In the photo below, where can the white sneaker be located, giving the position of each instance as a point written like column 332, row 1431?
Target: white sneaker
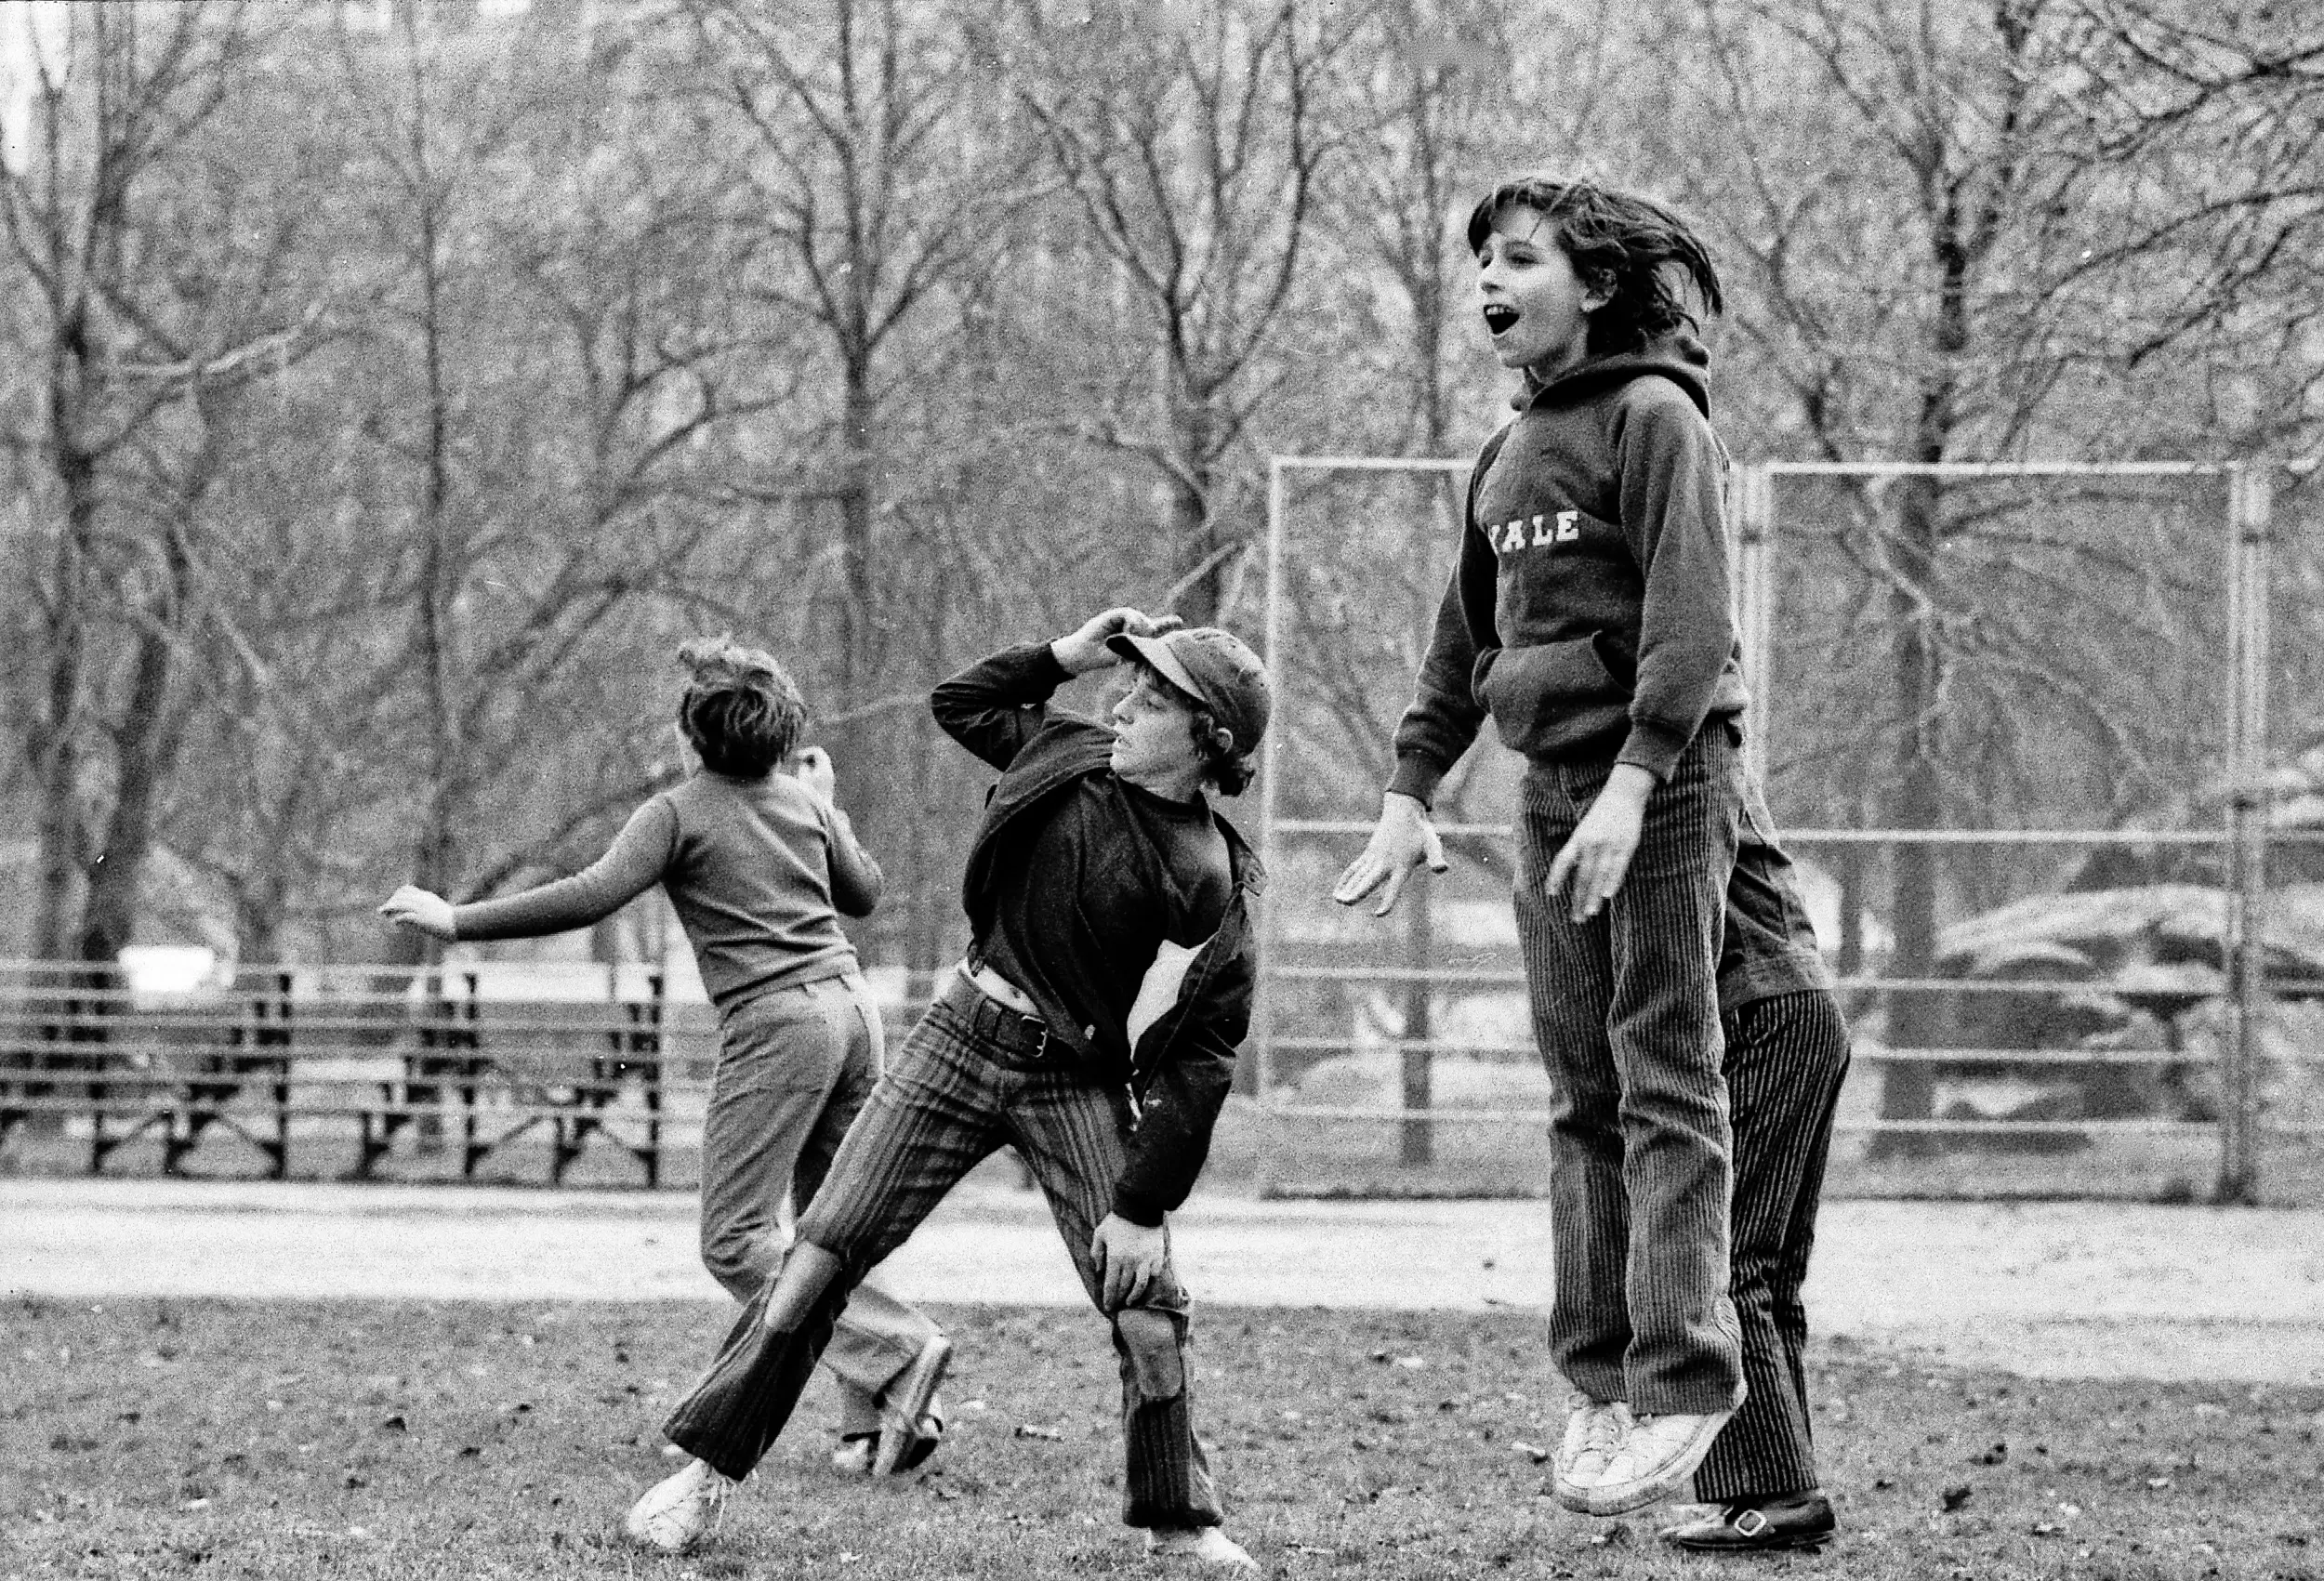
column 1594, row 1431
column 674, row 1513
column 852, row 1457
column 1200, row 1545
column 1657, row 1456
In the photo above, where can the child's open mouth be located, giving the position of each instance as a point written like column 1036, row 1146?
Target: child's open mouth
column 1500, row 318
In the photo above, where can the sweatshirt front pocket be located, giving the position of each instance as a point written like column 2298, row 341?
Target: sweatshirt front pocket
column 1555, row 697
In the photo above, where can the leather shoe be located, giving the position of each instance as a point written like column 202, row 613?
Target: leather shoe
column 1756, row 1525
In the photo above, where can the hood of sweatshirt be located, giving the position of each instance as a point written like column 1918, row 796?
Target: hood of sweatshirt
column 1677, row 357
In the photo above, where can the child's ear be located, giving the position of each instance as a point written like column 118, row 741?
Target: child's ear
column 1597, row 291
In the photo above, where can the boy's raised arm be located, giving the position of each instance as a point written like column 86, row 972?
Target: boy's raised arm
column 998, row 705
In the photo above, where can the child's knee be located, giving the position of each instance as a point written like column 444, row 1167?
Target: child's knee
column 1153, row 1344
column 739, row 1259
column 809, row 1273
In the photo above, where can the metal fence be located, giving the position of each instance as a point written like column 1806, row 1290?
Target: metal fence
column 2083, row 964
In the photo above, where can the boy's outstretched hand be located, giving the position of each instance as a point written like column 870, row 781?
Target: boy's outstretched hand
column 423, row 911
column 1402, row 840
column 1085, row 650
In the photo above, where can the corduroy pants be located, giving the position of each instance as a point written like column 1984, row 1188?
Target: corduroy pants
column 1626, row 1012
column 1787, row 1056
column 948, row 1100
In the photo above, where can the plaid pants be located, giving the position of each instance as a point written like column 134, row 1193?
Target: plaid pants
column 948, row 1100
column 1626, row 1013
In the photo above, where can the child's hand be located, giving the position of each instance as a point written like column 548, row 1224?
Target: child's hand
column 815, row 772
column 1402, row 840
column 423, row 911
column 1085, row 650
column 1596, row 855
column 1132, row 1259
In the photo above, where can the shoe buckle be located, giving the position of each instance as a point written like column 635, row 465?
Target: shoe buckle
column 1751, row 1523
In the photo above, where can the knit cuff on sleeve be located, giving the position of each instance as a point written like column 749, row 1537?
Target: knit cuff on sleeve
column 1417, row 776
column 1653, row 746
column 1139, row 1210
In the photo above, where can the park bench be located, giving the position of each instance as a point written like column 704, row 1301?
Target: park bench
column 387, row 1050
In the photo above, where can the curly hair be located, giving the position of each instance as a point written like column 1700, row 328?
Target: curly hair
column 1223, row 767
column 1619, row 243
column 741, row 710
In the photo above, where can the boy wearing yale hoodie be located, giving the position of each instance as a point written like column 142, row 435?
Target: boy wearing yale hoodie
column 1590, row 616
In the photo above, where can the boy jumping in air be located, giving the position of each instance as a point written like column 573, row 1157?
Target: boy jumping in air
column 1589, row 616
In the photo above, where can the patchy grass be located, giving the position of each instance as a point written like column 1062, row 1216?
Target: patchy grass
column 298, row 1439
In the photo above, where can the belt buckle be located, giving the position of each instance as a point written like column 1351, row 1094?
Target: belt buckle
column 1040, row 1042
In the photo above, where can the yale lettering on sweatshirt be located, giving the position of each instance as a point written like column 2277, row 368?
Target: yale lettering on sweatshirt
column 1543, row 531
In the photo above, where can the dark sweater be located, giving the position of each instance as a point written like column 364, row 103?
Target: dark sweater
column 1084, row 896
column 758, row 869
column 1589, row 610
column 1181, row 1066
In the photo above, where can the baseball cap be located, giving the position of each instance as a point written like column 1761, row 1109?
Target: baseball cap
column 1214, row 667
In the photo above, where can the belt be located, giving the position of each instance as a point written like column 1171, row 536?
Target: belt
column 1005, row 1031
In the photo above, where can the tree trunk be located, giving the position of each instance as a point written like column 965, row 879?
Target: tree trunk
column 143, row 747
column 1915, row 1017
column 855, row 743
column 1195, row 569
column 432, row 860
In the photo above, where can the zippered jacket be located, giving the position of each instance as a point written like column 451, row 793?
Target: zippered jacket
column 1183, row 1065
column 1589, row 612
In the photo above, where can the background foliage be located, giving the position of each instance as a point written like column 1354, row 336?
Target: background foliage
column 388, row 387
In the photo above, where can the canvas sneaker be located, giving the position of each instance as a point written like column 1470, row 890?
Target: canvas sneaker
column 1200, row 1545
column 673, row 1514
column 1657, row 1456
column 1595, row 1430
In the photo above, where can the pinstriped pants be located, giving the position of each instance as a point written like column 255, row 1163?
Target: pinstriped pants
column 1626, row 1011
column 1785, row 1058
column 946, row 1102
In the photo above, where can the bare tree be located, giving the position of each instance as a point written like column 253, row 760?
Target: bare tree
column 863, row 189
column 148, row 287
column 541, row 533
column 1969, row 261
column 1193, row 140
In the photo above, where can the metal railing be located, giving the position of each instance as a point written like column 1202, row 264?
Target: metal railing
column 2242, row 841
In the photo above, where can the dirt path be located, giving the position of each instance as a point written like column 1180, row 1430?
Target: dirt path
column 2071, row 1289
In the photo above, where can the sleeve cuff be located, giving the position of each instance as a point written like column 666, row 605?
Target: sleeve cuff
column 1417, row 777
column 1653, row 746
column 1138, row 1208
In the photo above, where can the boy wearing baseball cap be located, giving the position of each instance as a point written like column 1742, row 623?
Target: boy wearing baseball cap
column 1093, row 1026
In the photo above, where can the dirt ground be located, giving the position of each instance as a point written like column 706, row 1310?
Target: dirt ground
column 2047, row 1289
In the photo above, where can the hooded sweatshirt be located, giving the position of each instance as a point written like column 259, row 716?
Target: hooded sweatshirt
column 1590, row 609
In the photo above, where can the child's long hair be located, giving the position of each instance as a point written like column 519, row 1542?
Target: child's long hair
column 741, row 710
column 1228, row 768
column 1619, row 243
